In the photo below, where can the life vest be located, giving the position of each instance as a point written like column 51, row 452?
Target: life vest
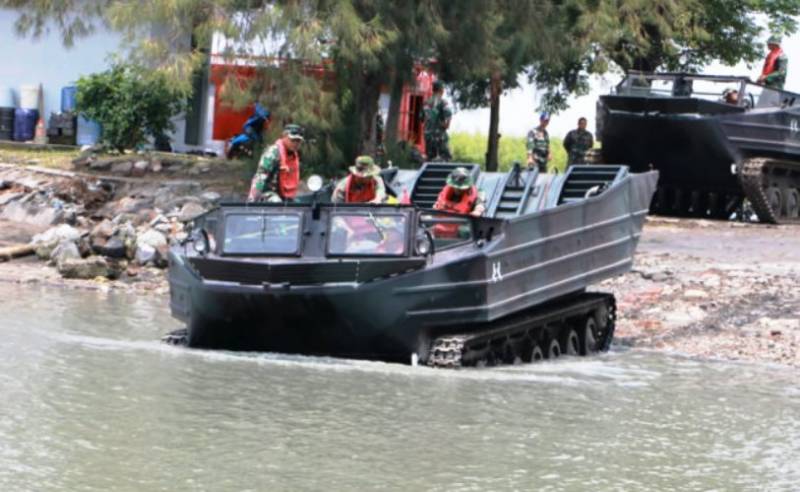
column 463, row 205
column 288, row 172
column 769, row 63
column 362, row 193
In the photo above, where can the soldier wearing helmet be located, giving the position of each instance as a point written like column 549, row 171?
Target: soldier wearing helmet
column 362, row 185
column 278, row 172
column 437, row 116
column 460, row 195
column 775, row 66
column 538, row 144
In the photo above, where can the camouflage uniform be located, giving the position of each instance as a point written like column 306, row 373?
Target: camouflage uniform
column 538, row 145
column 577, row 143
column 437, row 118
column 265, row 179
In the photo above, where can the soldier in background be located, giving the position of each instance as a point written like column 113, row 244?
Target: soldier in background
column 437, row 116
column 577, row 143
column 538, row 144
column 776, row 64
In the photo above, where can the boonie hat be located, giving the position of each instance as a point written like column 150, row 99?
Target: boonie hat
column 295, row 132
column 459, row 178
column 774, row 39
column 365, row 167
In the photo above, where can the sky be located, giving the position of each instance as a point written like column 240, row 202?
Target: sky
column 518, row 107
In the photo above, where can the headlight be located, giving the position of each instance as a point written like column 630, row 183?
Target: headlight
column 200, row 242
column 423, row 244
column 314, row 182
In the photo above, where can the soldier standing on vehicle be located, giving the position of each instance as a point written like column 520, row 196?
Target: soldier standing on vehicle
column 578, row 142
column 278, row 172
column 362, row 185
column 538, row 144
column 775, row 66
column 437, row 116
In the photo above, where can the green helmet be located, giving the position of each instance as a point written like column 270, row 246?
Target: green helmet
column 774, row 39
column 459, row 178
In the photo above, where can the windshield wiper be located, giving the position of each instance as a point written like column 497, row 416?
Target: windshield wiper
column 377, row 227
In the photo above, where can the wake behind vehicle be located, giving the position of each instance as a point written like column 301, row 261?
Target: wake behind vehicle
column 405, row 283
column 715, row 141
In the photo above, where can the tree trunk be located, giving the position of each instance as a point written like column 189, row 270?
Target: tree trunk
column 367, row 108
column 492, row 146
column 393, row 117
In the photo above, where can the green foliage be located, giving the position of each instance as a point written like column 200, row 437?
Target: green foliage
column 129, row 103
column 471, row 147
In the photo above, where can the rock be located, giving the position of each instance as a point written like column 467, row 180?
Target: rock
column 151, row 238
column 88, row 268
column 145, row 254
column 101, row 165
column 695, row 294
column 47, row 241
column 156, row 166
column 103, row 230
column 132, row 271
column 190, row 211
column 211, row 197
column 114, row 248
column 122, row 167
column 66, row 250
column 140, row 168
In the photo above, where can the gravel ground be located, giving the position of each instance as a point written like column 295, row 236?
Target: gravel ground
column 713, row 289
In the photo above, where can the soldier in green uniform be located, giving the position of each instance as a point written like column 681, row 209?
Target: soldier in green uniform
column 437, row 116
column 775, row 66
column 538, row 144
column 578, row 142
column 278, row 173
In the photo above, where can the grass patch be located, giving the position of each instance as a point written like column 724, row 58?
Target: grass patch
column 56, row 158
column 471, row 147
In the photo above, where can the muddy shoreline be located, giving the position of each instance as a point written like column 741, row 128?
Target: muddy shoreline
column 710, row 289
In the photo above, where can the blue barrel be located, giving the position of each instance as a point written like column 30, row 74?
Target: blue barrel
column 68, row 95
column 25, row 124
column 89, row 131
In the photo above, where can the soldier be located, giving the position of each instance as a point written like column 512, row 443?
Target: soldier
column 278, row 172
column 460, row 195
column 578, row 142
column 538, row 144
column 437, row 116
column 362, row 185
column 775, row 66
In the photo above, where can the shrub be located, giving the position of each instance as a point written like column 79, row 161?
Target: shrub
column 130, row 103
column 471, row 147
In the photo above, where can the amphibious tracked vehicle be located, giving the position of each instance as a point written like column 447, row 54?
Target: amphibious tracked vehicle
column 714, row 140
column 408, row 283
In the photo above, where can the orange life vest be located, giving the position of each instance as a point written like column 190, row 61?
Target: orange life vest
column 464, row 205
column 362, row 193
column 288, row 172
column 769, row 63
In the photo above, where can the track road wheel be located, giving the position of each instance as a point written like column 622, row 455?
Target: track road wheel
column 570, row 345
column 791, row 202
column 553, row 349
column 589, row 338
column 775, row 200
column 536, row 353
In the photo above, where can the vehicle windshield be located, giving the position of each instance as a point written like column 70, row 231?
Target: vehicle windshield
column 447, row 229
column 368, row 234
column 269, row 234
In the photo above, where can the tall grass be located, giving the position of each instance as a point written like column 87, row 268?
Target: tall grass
column 471, row 147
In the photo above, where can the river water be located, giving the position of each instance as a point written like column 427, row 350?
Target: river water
column 91, row 400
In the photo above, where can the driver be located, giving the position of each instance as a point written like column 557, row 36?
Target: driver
column 362, row 185
column 278, row 172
